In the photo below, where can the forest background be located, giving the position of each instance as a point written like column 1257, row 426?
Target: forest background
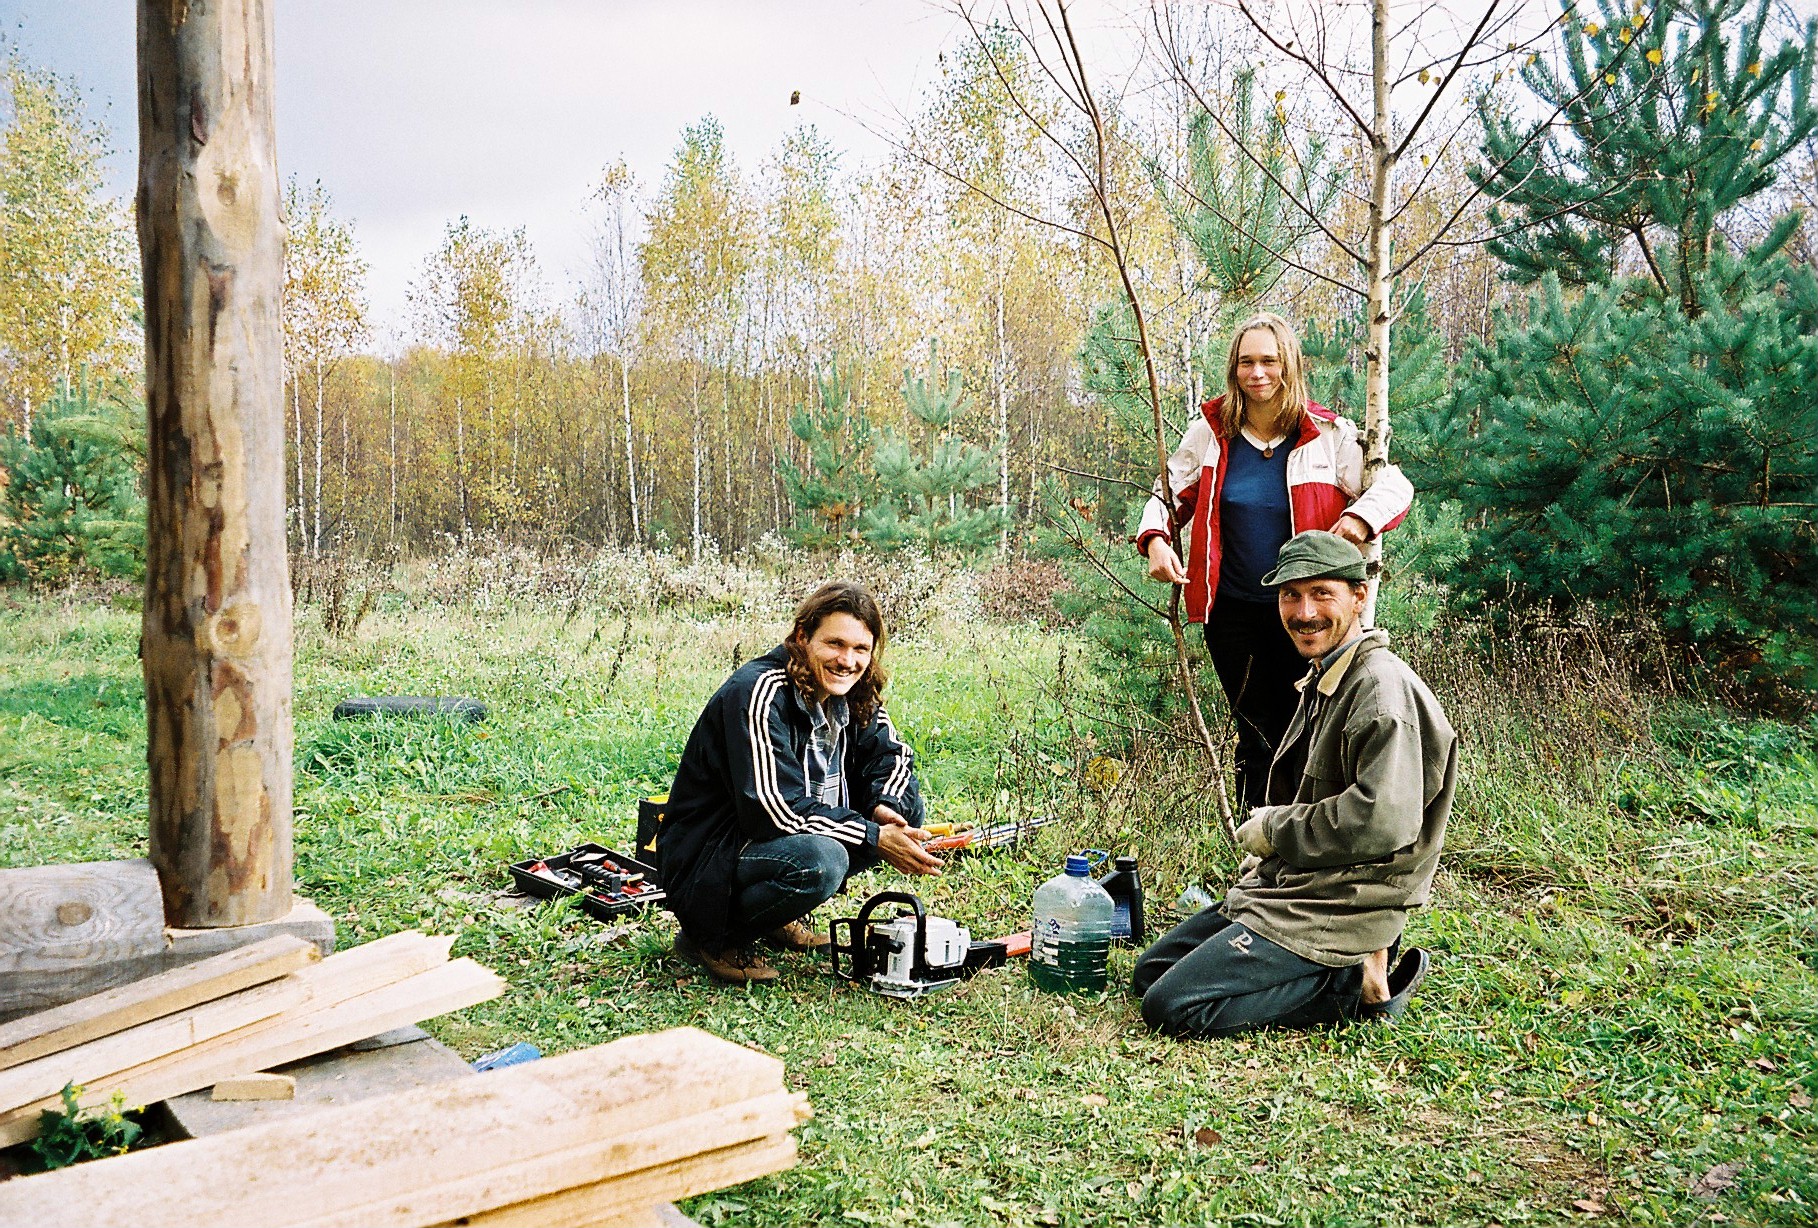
column 586, row 500
column 731, row 372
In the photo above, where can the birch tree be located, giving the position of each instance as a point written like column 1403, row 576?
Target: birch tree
column 1417, row 60
column 695, row 258
column 324, row 321
column 612, row 301
column 66, row 261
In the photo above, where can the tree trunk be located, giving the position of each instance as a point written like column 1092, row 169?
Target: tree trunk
column 391, row 384
column 296, row 410
column 631, row 468
column 1003, row 421
column 694, row 538
column 217, row 624
column 1378, row 281
column 315, row 533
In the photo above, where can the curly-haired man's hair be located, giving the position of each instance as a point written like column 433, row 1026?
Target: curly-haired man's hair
column 841, row 597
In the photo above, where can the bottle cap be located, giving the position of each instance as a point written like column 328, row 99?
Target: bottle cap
column 1124, row 863
column 1077, row 865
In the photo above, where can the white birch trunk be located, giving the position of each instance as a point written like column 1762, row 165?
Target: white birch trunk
column 631, row 468
column 1377, row 280
column 315, row 536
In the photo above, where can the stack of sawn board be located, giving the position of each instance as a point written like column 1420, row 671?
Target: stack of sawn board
column 248, row 1010
column 595, row 1137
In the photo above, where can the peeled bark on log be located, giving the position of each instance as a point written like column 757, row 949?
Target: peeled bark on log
column 217, row 628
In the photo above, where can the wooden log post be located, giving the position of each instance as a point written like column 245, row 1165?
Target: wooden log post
column 217, row 631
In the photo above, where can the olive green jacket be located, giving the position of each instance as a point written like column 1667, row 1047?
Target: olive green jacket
column 1369, row 763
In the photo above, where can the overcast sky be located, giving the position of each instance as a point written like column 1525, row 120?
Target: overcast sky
column 414, row 112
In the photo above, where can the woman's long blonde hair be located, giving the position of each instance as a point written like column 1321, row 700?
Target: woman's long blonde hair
column 1292, row 400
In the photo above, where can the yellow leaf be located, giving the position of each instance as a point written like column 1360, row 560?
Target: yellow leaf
column 1533, row 59
column 1281, row 95
column 1754, row 146
column 1627, row 35
column 1609, row 78
column 1426, row 161
column 1710, row 99
column 1638, row 20
column 1425, row 76
column 1654, row 56
column 1590, row 29
column 1755, row 69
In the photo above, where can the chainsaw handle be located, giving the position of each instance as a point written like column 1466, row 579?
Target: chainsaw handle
column 850, row 936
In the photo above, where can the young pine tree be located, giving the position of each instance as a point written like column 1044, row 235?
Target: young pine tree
column 833, row 488
column 70, row 498
column 924, row 495
column 1651, row 440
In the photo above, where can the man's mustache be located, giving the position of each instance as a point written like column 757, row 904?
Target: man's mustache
column 1302, row 626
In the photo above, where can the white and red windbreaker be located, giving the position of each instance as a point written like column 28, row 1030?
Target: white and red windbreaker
column 1325, row 480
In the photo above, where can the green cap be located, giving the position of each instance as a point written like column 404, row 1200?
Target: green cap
column 1316, row 555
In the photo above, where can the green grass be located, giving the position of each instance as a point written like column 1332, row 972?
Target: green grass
column 1624, row 1003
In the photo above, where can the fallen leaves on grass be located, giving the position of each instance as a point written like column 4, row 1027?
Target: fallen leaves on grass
column 1716, row 1179
column 1206, row 1136
column 1093, row 1100
column 1590, row 1206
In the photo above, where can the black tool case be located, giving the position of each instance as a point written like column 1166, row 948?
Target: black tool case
column 594, row 902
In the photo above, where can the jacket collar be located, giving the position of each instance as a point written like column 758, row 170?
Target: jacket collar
column 1310, row 420
column 1328, row 672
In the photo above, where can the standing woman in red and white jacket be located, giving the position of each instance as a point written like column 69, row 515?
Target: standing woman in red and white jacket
column 1260, row 464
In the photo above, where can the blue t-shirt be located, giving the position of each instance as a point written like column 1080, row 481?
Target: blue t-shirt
column 1254, row 521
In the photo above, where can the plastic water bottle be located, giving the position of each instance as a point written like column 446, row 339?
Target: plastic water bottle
column 1070, row 942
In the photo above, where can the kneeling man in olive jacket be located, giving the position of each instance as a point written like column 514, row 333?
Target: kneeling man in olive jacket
column 1360, row 790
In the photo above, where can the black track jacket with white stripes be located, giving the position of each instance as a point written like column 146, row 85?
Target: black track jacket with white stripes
column 741, row 780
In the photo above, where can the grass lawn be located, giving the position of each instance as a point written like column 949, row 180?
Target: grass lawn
column 1622, row 1023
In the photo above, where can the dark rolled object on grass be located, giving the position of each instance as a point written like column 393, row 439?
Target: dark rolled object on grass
column 410, row 705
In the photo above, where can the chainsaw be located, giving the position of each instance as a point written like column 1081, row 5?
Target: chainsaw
column 909, row 954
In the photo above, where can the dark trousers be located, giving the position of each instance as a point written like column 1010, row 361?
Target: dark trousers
column 1210, row 976
column 782, row 880
column 1257, row 665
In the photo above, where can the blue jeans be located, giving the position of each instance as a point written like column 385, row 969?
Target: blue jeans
column 782, row 880
column 1210, row 976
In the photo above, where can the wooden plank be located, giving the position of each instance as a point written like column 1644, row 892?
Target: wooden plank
column 400, row 1148
column 21, row 993
column 92, row 1064
column 59, row 919
column 256, row 1087
column 343, row 977
column 622, row 1202
column 605, row 1157
column 166, row 993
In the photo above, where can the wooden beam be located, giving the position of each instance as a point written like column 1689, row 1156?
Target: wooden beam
column 345, row 1005
column 630, row 1200
column 392, row 1159
column 256, row 1087
column 115, row 1010
column 216, row 640
column 95, row 1062
column 60, row 919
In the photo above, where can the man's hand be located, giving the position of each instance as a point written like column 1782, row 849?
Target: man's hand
column 884, row 816
column 1352, row 528
column 1164, row 564
column 1252, row 839
column 1249, row 863
column 902, row 848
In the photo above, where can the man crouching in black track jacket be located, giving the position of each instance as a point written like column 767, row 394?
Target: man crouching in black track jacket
column 793, row 780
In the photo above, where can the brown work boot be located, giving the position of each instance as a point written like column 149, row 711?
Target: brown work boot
column 734, row 965
column 797, row 936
